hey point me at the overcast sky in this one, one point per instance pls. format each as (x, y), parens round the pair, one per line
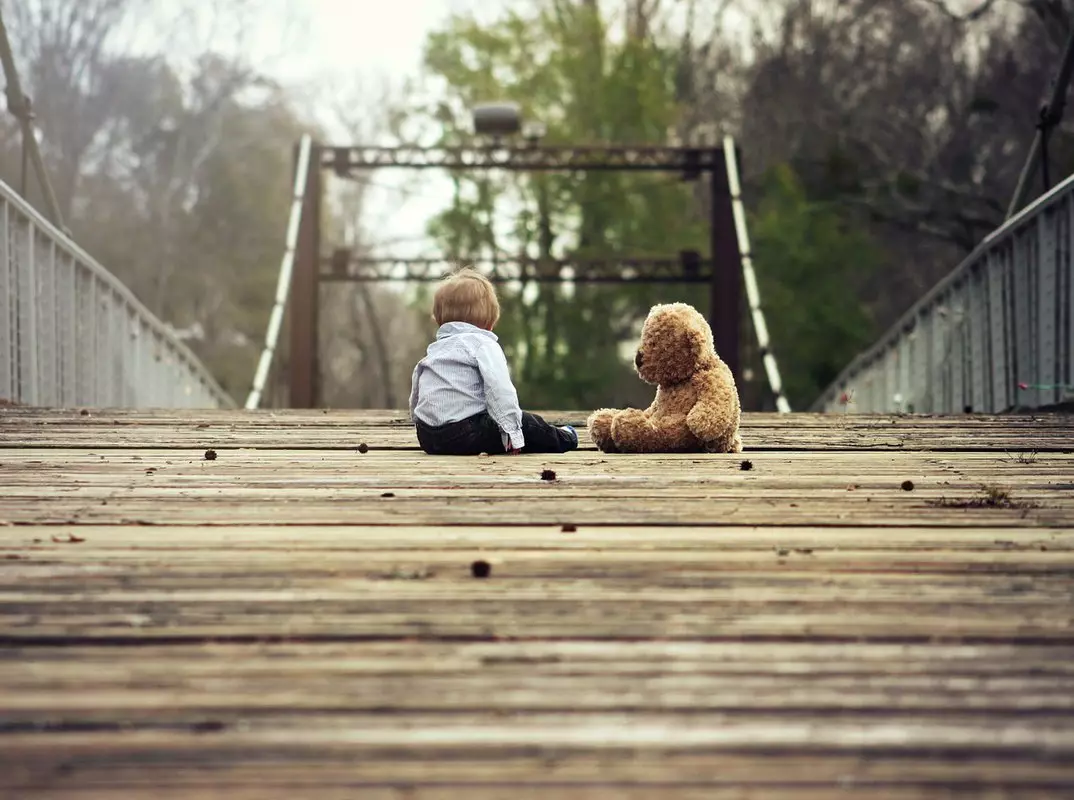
(356, 45)
(351, 44)
(342, 51)
(331, 54)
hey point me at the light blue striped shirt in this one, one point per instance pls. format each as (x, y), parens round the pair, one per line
(465, 372)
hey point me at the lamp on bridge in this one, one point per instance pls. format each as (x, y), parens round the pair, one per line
(498, 120)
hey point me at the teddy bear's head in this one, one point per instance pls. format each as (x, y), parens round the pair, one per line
(676, 342)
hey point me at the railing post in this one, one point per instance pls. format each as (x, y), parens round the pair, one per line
(8, 319)
(305, 288)
(725, 289)
(28, 310)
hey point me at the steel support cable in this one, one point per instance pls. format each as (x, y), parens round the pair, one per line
(283, 283)
(20, 107)
(753, 294)
(1050, 117)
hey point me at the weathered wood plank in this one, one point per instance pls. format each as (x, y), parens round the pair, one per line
(124, 542)
(102, 704)
(374, 416)
(999, 465)
(1017, 589)
(550, 657)
(130, 623)
(393, 438)
(325, 487)
(103, 687)
(199, 765)
(369, 507)
(391, 430)
(909, 734)
(258, 784)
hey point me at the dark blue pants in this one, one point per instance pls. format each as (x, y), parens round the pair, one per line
(480, 434)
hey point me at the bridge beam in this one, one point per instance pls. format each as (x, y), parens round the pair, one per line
(304, 368)
(725, 288)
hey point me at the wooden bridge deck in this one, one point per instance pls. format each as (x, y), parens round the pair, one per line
(878, 607)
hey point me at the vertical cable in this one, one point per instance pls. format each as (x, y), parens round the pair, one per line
(753, 294)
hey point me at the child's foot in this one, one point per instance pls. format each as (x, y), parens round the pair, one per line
(572, 433)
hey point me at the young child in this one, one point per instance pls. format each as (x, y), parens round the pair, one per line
(462, 400)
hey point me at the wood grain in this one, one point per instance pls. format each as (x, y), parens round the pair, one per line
(297, 619)
(299, 430)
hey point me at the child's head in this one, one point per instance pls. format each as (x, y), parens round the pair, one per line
(467, 296)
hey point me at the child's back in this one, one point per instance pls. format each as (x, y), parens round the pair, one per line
(462, 400)
(464, 373)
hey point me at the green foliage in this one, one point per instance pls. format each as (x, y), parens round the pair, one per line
(810, 260)
(560, 63)
(566, 71)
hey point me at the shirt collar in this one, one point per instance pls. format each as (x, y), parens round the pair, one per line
(454, 328)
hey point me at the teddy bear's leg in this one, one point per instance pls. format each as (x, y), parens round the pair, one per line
(600, 429)
(725, 444)
(634, 433)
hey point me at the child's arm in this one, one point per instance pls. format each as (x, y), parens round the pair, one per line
(500, 395)
(414, 389)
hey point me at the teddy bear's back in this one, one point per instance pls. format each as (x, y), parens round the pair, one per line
(715, 388)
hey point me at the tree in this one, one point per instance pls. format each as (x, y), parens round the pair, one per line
(569, 71)
(813, 266)
(371, 337)
(64, 50)
(913, 116)
(173, 175)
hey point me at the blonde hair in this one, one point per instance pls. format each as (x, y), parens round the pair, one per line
(466, 296)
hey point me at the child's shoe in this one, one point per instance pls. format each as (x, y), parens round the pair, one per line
(572, 433)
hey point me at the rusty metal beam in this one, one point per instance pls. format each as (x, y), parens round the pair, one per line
(722, 272)
(690, 161)
(689, 267)
(725, 289)
(303, 358)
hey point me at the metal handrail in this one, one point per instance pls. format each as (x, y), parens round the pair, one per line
(64, 344)
(834, 395)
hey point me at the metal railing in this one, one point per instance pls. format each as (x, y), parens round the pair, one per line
(996, 334)
(73, 335)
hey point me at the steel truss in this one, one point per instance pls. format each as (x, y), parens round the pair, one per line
(692, 162)
(720, 272)
(689, 267)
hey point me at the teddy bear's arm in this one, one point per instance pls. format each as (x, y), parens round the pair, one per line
(714, 418)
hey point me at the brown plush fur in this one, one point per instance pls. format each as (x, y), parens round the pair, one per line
(696, 407)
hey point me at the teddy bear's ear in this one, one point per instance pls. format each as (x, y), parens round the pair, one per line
(703, 328)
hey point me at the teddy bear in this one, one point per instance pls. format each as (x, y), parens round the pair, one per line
(696, 408)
